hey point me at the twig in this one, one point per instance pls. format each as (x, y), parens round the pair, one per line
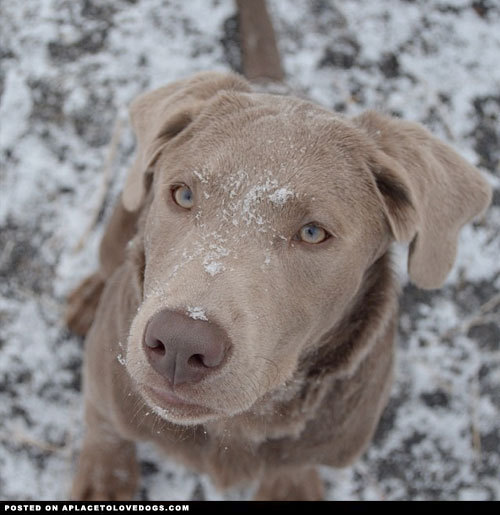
(492, 303)
(106, 181)
(480, 317)
(24, 439)
(476, 434)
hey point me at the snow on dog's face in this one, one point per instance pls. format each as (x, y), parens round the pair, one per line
(264, 215)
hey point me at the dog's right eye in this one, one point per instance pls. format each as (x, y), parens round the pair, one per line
(183, 196)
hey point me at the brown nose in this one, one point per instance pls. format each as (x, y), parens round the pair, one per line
(184, 350)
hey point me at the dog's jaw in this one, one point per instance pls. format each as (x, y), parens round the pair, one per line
(169, 406)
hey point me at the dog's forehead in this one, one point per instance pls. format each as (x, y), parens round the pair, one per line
(271, 165)
(287, 138)
(281, 161)
(249, 196)
(269, 202)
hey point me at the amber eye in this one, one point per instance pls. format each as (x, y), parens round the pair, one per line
(312, 233)
(183, 196)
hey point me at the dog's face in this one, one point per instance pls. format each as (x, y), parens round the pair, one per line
(266, 213)
(265, 232)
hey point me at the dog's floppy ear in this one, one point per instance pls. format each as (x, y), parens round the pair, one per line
(429, 192)
(160, 115)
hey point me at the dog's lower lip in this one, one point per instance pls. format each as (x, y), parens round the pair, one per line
(169, 398)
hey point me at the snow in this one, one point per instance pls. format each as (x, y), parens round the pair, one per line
(200, 176)
(214, 267)
(281, 196)
(197, 313)
(69, 69)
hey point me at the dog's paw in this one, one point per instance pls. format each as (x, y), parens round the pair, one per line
(291, 485)
(105, 476)
(82, 304)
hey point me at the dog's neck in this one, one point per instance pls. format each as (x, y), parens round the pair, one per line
(341, 349)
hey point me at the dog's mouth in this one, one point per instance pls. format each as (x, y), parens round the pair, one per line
(171, 406)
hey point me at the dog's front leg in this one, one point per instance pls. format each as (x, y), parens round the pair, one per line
(290, 484)
(107, 467)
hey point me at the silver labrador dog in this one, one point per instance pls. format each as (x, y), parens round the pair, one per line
(244, 313)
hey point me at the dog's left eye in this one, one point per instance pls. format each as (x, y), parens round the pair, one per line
(183, 196)
(312, 233)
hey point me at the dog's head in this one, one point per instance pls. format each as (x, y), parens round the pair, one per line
(262, 215)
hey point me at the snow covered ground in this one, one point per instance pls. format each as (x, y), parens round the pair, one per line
(69, 68)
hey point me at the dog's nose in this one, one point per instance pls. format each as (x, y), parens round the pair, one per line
(182, 349)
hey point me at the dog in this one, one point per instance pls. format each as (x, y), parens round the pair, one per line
(244, 314)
